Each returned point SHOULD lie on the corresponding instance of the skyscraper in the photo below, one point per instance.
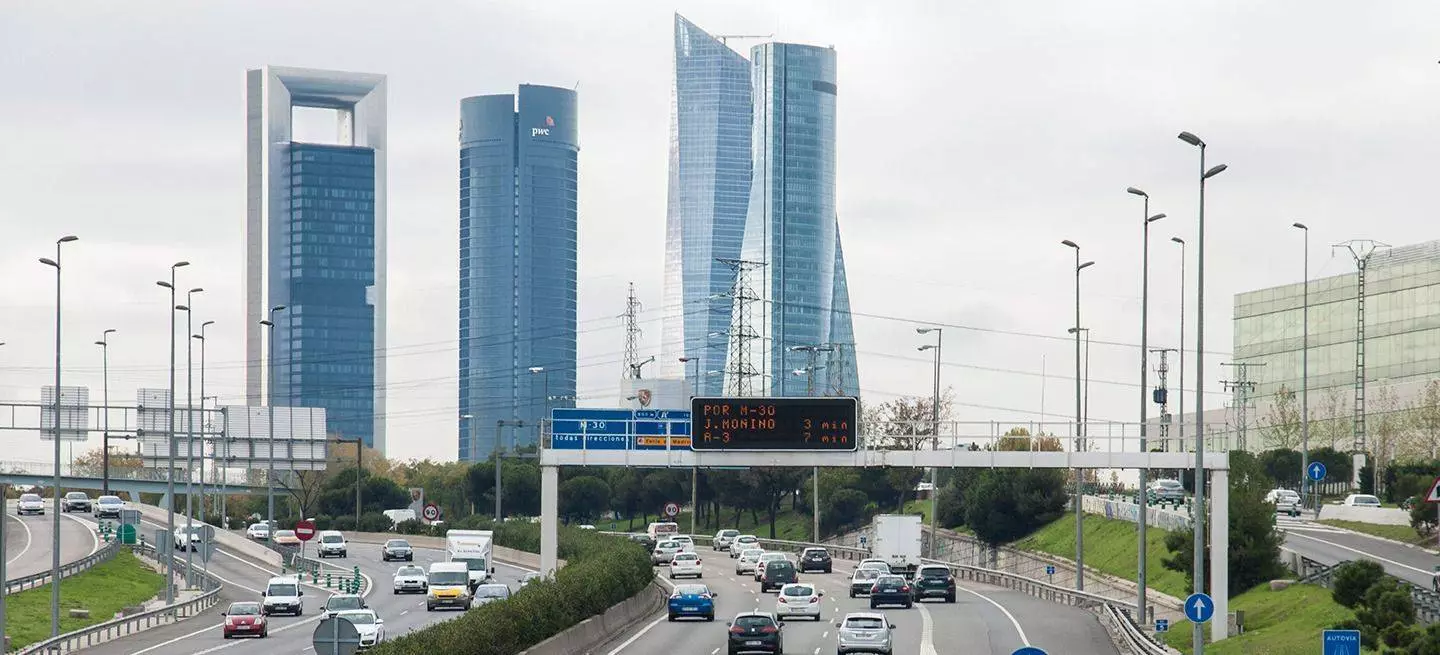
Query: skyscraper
(801, 298)
(518, 181)
(315, 243)
(708, 194)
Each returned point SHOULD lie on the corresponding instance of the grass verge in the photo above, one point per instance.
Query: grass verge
(1401, 533)
(1286, 622)
(1111, 547)
(103, 589)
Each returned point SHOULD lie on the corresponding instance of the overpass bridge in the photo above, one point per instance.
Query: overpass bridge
(132, 481)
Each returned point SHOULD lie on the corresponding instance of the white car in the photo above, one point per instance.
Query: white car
(370, 627)
(410, 579)
(193, 543)
(586, 526)
(530, 577)
(283, 596)
(1286, 501)
(747, 560)
(766, 558)
(723, 539)
(685, 564)
(798, 599)
(1361, 500)
(108, 506)
(332, 544)
(877, 564)
(687, 544)
(489, 593)
(665, 551)
(30, 504)
(741, 543)
(258, 531)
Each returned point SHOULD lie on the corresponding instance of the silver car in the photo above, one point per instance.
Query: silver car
(489, 593)
(865, 632)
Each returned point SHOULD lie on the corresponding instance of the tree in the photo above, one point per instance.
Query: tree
(908, 422)
(1282, 465)
(1282, 429)
(1387, 427)
(92, 463)
(1339, 466)
(1352, 579)
(1425, 411)
(1254, 549)
(1005, 504)
(1335, 424)
(583, 498)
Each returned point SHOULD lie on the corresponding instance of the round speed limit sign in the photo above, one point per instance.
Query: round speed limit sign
(431, 512)
(672, 510)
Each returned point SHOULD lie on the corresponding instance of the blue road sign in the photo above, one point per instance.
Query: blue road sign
(585, 428)
(1162, 625)
(1030, 650)
(1340, 642)
(1049, 569)
(1316, 471)
(1199, 608)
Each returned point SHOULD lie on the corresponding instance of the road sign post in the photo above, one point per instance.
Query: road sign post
(305, 530)
(1316, 472)
(1199, 608)
(1050, 571)
(1162, 625)
(335, 636)
(431, 512)
(1340, 642)
(671, 510)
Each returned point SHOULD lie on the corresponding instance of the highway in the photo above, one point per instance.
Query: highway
(983, 620)
(244, 579)
(1330, 545)
(28, 539)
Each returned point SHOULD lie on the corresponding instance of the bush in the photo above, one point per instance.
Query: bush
(1422, 518)
(374, 522)
(1353, 579)
(600, 571)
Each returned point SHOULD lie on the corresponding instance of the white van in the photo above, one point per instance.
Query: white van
(448, 585)
(332, 544)
(283, 596)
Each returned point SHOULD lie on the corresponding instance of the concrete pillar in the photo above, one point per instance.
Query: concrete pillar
(1219, 552)
(549, 518)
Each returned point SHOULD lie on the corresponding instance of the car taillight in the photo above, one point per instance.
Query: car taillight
(814, 599)
(769, 629)
(905, 588)
(737, 630)
(874, 588)
(782, 599)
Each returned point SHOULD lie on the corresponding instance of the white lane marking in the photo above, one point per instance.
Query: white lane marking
(636, 637)
(713, 652)
(825, 634)
(1023, 639)
(927, 631)
(29, 539)
(94, 536)
(817, 651)
(1365, 554)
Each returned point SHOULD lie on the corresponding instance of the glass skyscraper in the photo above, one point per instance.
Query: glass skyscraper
(708, 195)
(518, 182)
(800, 296)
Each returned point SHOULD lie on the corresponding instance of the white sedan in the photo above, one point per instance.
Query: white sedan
(798, 599)
(258, 531)
(685, 564)
(746, 563)
(742, 543)
(665, 551)
(410, 579)
(370, 627)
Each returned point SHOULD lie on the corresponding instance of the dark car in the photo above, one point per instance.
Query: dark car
(933, 582)
(890, 590)
(755, 632)
(75, 501)
(862, 582)
(397, 549)
(815, 559)
(777, 574)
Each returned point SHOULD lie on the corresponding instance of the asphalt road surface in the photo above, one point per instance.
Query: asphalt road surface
(983, 620)
(1331, 545)
(28, 540)
(244, 579)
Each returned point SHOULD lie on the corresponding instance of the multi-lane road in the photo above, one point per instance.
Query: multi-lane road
(28, 539)
(982, 620)
(1330, 545)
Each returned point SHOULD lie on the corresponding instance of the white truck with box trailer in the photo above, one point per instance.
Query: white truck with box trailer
(473, 548)
(896, 538)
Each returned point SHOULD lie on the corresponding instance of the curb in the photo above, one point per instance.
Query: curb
(598, 630)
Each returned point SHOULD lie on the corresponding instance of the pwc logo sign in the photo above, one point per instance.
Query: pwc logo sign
(543, 131)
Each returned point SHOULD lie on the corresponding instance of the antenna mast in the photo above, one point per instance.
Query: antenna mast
(1360, 250)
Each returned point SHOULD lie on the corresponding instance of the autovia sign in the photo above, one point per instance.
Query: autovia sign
(543, 131)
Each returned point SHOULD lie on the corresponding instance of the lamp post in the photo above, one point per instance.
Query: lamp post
(1180, 438)
(55, 485)
(189, 434)
(812, 351)
(1305, 372)
(1199, 520)
(1144, 385)
(694, 470)
(201, 338)
(170, 441)
(934, 434)
(270, 411)
(1079, 427)
(104, 344)
(541, 423)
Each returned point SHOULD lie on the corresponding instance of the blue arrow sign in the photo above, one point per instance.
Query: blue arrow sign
(1029, 650)
(1340, 642)
(1162, 625)
(1199, 608)
(1049, 569)
(1316, 471)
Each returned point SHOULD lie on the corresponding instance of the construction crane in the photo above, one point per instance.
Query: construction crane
(723, 37)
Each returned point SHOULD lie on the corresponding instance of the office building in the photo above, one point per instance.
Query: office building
(795, 295)
(315, 243)
(518, 221)
(708, 196)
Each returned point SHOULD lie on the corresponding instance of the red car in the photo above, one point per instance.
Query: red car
(244, 619)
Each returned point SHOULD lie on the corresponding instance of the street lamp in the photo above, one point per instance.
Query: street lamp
(541, 423)
(270, 410)
(1144, 383)
(170, 441)
(934, 433)
(1180, 438)
(55, 485)
(695, 470)
(201, 338)
(1305, 372)
(104, 344)
(1079, 427)
(1199, 563)
(189, 431)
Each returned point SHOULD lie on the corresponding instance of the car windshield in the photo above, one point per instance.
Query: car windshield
(492, 591)
(753, 553)
(934, 572)
(110, 500)
(344, 603)
(686, 557)
(283, 590)
(769, 557)
(448, 578)
(816, 551)
(777, 565)
(753, 621)
(410, 570)
(30, 497)
(77, 495)
(397, 543)
(1367, 500)
(890, 580)
(243, 609)
(472, 563)
(746, 539)
(260, 526)
(284, 533)
(864, 623)
(358, 618)
(668, 544)
(729, 533)
(1168, 484)
(866, 574)
(332, 538)
(798, 590)
(691, 589)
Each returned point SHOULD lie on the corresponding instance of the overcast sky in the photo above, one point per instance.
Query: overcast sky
(973, 138)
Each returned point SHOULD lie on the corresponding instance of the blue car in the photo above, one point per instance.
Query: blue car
(692, 600)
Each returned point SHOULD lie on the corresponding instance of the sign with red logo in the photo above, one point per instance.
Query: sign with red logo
(305, 530)
(672, 510)
(431, 512)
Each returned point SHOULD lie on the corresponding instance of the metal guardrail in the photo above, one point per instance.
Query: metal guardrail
(1136, 639)
(42, 578)
(138, 622)
(1425, 600)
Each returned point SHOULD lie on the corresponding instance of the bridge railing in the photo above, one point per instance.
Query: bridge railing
(126, 625)
(105, 554)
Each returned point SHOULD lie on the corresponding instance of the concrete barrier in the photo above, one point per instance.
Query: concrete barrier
(225, 539)
(596, 630)
(520, 558)
(1376, 515)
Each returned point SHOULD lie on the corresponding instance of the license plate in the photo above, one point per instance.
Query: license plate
(242, 627)
(692, 609)
(753, 643)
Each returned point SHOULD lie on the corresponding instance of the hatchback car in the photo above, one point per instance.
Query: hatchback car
(286, 538)
(748, 560)
(75, 501)
(665, 551)
(258, 531)
(493, 592)
(409, 579)
(342, 602)
(890, 590)
(862, 580)
(687, 544)
(743, 543)
(724, 538)
(777, 574)
(865, 632)
(1286, 501)
(691, 600)
(815, 559)
(332, 544)
(754, 632)
(1161, 492)
(108, 506)
(30, 504)
(397, 549)
(370, 627)
(798, 600)
(933, 582)
(685, 564)
(766, 558)
(245, 620)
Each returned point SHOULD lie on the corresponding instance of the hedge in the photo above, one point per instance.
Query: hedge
(600, 571)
